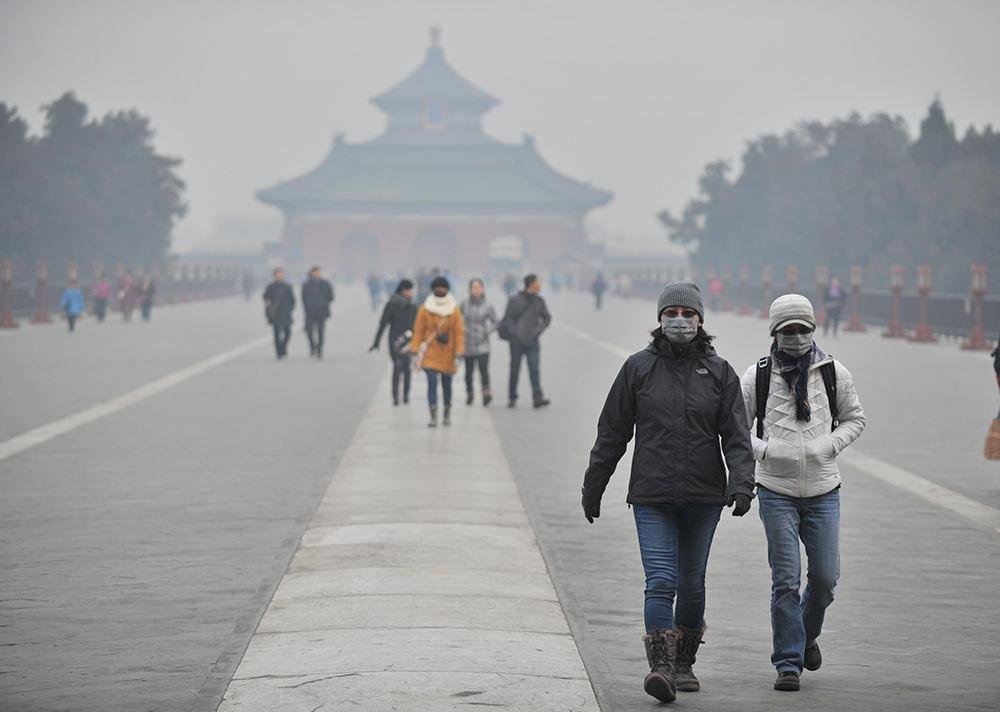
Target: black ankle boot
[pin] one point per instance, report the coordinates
(433, 422)
(447, 415)
(688, 640)
(661, 652)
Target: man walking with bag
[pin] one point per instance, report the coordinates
(279, 302)
(317, 295)
(806, 411)
(524, 320)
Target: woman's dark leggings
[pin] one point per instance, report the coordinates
(481, 361)
(400, 371)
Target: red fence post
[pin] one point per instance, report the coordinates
(857, 281)
(895, 330)
(792, 278)
(766, 279)
(6, 276)
(745, 307)
(977, 338)
(41, 306)
(822, 282)
(923, 332)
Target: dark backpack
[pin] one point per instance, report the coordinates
(763, 386)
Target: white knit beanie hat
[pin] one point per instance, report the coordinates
(791, 309)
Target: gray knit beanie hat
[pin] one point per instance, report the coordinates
(791, 309)
(680, 294)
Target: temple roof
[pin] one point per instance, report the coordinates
(435, 79)
(489, 178)
(440, 163)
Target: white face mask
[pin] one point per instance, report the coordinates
(795, 344)
(678, 329)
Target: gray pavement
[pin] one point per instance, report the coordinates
(140, 551)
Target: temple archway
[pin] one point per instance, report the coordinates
(436, 247)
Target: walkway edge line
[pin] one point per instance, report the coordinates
(44, 433)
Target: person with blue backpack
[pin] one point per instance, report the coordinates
(806, 410)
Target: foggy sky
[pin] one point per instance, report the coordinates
(634, 96)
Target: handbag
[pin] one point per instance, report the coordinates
(422, 351)
(991, 450)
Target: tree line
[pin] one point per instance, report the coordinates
(86, 189)
(853, 192)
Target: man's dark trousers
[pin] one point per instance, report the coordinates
(315, 326)
(532, 351)
(281, 334)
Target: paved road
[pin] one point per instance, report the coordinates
(140, 550)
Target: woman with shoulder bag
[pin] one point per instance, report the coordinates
(438, 340)
(681, 400)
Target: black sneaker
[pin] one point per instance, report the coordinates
(512, 404)
(469, 397)
(788, 681)
(813, 658)
(542, 402)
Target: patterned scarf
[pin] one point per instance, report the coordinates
(795, 371)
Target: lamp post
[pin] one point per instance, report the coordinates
(745, 307)
(6, 276)
(923, 333)
(857, 281)
(977, 338)
(895, 330)
(41, 306)
(822, 282)
(766, 278)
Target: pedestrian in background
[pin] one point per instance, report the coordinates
(398, 315)
(247, 284)
(279, 302)
(834, 305)
(682, 401)
(146, 295)
(509, 285)
(438, 340)
(598, 287)
(126, 295)
(71, 303)
(524, 320)
(374, 290)
(807, 411)
(101, 294)
(480, 321)
(317, 295)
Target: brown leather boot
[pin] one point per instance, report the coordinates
(688, 640)
(661, 652)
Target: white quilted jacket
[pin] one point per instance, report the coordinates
(799, 458)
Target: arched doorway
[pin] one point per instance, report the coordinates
(359, 255)
(436, 247)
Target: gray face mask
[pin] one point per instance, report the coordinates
(679, 330)
(795, 344)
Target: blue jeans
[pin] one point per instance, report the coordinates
(674, 543)
(432, 386)
(533, 354)
(796, 621)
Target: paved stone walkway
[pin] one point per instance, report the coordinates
(417, 586)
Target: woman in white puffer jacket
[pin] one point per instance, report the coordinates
(796, 445)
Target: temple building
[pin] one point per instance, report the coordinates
(433, 190)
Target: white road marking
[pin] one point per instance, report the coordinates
(903, 479)
(44, 433)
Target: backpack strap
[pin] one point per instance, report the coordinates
(829, 372)
(763, 387)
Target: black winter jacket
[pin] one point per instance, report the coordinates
(678, 406)
(526, 317)
(279, 301)
(316, 297)
(398, 314)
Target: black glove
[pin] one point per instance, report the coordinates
(591, 506)
(740, 504)
(374, 347)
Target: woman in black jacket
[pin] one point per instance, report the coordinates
(679, 398)
(398, 314)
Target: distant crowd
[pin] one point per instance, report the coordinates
(127, 294)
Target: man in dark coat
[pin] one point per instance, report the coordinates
(279, 302)
(524, 320)
(317, 294)
(398, 315)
